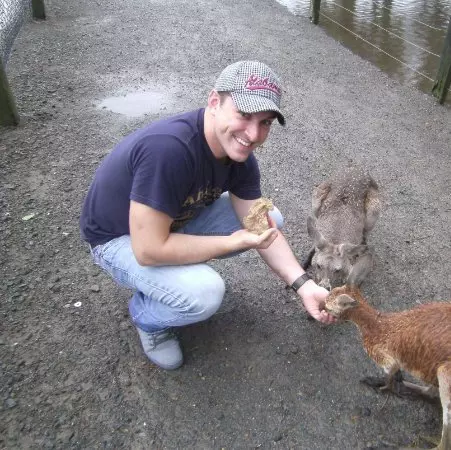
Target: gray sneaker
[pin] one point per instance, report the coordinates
(162, 348)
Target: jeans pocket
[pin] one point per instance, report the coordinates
(100, 253)
(113, 257)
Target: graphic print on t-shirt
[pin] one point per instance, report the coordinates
(203, 198)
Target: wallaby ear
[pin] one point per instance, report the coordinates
(351, 250)
(344, 301)
(320, 193)
(315, 234)
(360, 270)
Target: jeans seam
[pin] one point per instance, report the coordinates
(180, 303)
(143, 280)
(178, 300)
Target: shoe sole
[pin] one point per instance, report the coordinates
(167, 367)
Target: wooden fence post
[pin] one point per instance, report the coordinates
(315, 4)
(8, 110)
(443, 80)
(38, 8)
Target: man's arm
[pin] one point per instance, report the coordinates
(280, 258)
(154, 245)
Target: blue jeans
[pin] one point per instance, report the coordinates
(168, 296)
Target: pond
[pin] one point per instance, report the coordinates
(404, 38)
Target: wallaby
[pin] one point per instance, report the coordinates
(344, 209)
(417, 341)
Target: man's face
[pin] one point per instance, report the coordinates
(236, 134)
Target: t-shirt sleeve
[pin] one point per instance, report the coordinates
(245, 182)
(162, 173)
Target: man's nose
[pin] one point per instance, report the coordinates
(253, 131)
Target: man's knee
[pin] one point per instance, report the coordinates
(207, 296)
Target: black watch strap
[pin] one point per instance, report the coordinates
(298, 282)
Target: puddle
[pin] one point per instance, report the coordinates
(296, 7)
(137, 104)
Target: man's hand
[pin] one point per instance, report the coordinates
(246, 239)
(313, 297)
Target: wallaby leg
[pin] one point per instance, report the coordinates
(444, 384)
(386, 383)
(319, 195)
(401, 388)
(404, 389)
(372, 209)
(307, 262)
(412, 389)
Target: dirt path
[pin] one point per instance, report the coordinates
(258, 375)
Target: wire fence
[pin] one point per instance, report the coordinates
(407, 39)
(12, 15)
(380, 49)
(390, 52)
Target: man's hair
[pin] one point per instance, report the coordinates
(222, 96)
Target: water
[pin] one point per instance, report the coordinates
(139, 103)
(404, 38)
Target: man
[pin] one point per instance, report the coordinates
(172, 196)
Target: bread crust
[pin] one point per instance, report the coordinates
(257, 219)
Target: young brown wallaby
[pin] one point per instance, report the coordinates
(344, 209)
(417, 341)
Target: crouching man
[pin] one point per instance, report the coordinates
(172, 195)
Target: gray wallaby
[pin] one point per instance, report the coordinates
(344, 209)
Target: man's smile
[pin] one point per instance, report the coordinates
(242, 141)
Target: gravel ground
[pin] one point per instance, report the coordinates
(258, 374)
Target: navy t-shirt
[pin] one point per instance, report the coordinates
(168, 166)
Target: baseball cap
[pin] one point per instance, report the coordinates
(253, 86)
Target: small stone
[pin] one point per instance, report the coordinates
(95, 288)
(10, 403)
(55, 288)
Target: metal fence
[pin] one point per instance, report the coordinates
(13, 13)
(407, 38)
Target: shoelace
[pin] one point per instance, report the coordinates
(157, 339)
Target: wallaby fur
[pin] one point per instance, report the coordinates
(417, 340)
(344, 209)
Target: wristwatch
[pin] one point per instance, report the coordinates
(298, 282)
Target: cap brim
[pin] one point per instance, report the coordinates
(251, 103)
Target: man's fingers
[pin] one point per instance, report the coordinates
(320, 314)
(271, 221)
(325, 317)
(268, 236)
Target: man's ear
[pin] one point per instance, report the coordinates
(214, 100)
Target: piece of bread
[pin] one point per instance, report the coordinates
(257, 221)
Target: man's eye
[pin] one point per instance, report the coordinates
(267, 123)
(245, 115)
